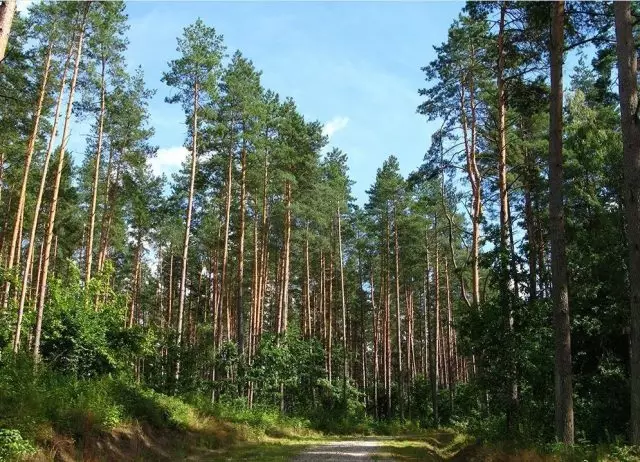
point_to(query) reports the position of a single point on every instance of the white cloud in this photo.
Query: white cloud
(334, 125)
(168, 160)
(23, 5)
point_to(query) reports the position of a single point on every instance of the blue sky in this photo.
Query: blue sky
(354, 66)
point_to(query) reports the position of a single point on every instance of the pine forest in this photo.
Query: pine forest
(482, 303)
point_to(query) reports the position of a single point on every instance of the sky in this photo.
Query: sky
(354, 66)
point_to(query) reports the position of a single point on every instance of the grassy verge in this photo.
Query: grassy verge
(46, 416)
(430, 445)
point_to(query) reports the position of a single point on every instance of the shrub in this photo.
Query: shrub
(13, 445)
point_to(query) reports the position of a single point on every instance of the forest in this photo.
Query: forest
(494, 292)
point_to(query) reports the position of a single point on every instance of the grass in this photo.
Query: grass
(432, 445)
(268, 450)
(53, 416)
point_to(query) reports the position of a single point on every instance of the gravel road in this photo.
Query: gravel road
(341, 451)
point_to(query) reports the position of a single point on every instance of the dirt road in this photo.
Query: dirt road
(342, 451)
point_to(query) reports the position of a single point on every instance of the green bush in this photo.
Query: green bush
(86, 340)
(13, 445)
(266, 418)
(79, 406)
(339, 413)
(155, 408)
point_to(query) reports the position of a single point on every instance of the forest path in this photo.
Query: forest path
(342, 451)
(433, 446)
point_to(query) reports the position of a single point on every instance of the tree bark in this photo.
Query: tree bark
(396, 252)
(469, 130)
(562, 328)
(17, 233)
(105, 211)
(307, 295)
(16, 238)
(504, 276)
(135, 287)
(225, 252)
(376, 341)
(329, 307)
(283, 308)
(435, 332)
(239, 297)
(7, 12)
(449, 342)
(345, 371)
(255, 291)
(170, 289)
(96, 175)
(187, 228)
(387, 317)
(628, 90)
(502, 150)
(530, 227)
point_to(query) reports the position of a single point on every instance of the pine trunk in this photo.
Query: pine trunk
(96, 175)
(45, 168)
(187, 228)
(376, 348)
(16, 238)
(170, 291)
(504, 277)
(449, 342)
(7, 11)
(105, 211)
(56, 189)
(345, 362)
(563, 381)
(628, 90)
(239, 296)
(286, 257)
(224, 300)
(401, 378)
(387, 319)
(135, 287)
(307, 296)
(435, 363)
(255, 289)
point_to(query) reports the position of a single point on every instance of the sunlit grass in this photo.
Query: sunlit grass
(431, 446)
(263, 448)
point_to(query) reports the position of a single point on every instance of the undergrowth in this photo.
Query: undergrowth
(38, 403)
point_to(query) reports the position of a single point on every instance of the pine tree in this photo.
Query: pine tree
(81, 25)
(630, 123)
(105, 47)
(194, 76)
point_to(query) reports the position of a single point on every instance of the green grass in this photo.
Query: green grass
(266, 450)
(57, 413)
(119, 420)
(430, 445)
